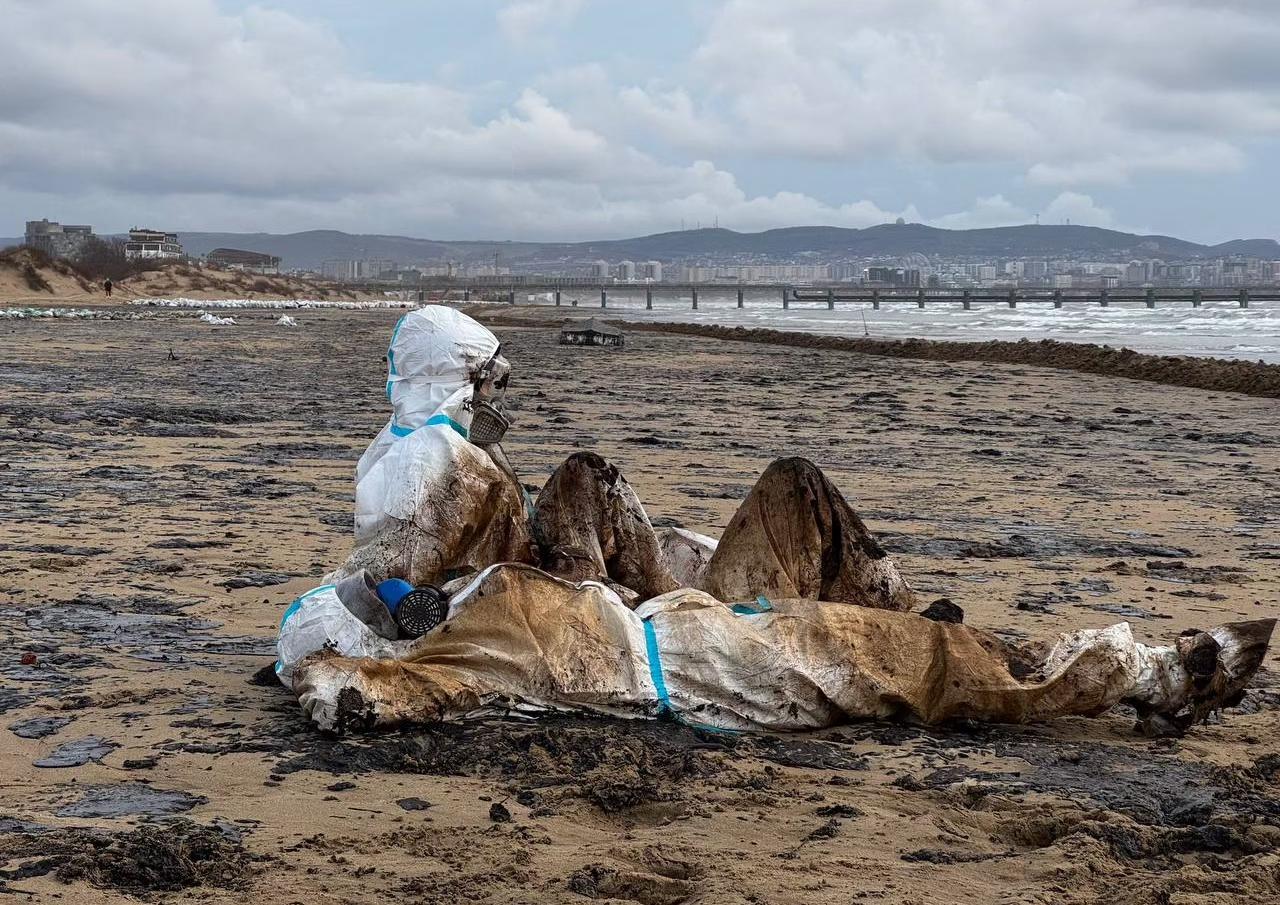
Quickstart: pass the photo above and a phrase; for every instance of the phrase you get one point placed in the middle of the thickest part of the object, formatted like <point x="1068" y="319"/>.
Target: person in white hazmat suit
<point x="795" y="619"/>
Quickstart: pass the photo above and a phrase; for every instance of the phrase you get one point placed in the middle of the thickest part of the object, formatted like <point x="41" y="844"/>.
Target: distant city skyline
<point x="562" y="120"/>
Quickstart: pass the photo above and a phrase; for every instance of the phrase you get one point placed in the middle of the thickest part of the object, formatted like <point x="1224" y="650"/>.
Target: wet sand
<point x="158" y="514"/>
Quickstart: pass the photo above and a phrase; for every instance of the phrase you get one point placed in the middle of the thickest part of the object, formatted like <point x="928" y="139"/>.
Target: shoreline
<point x="1249" y="378"/>
<point x="1204" y="373"/>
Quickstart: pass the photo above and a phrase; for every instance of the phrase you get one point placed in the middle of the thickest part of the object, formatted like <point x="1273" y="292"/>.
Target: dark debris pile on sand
<point x="153" y="858"/>
<point x="1250" y="378"/>
<point x="614" y="765"/>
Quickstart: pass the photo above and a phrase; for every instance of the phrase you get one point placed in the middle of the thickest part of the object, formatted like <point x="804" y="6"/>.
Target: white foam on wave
<point x="1221" y="330"/>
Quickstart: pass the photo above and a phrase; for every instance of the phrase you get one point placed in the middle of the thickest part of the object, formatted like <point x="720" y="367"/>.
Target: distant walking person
<point x="106" y="286"/>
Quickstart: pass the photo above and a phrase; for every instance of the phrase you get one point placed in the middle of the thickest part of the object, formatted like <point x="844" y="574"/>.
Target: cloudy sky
<point x="574" y="119"/>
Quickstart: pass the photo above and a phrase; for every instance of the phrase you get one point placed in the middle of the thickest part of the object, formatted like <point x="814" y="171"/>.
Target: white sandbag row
<point x="271" y="304"/>
<point x="69" y="313"/>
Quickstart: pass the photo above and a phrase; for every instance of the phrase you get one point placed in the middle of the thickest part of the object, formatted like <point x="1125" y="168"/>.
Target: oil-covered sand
<point x="157" y="513"/>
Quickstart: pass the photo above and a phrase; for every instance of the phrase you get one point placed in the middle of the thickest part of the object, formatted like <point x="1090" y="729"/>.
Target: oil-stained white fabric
<point x="318" y="620"/>
<point x="435" y="505"/>
<point x="686" y="554"/>
<point x="516" y="639"/>
<point x="519" y="638"/>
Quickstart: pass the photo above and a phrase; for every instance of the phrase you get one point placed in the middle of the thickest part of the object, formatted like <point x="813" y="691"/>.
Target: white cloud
<point x="1077" y="209"/>
<point x="262" y="120"/>
<point x="258" y="122"/>
<point x="986" y="212"/>
<point x="523" y="21"/>
<point x="1073" y="91"/>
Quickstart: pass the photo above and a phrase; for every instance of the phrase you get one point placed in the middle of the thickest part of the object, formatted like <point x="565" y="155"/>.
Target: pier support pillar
<point x="1244" y="298"/>
<point x="920" y="299"/>
<point x="604" y="298"/>
<point x="875" y="299"/>
<point x="511" y="296"/>
<point x="1105" y="299"/>
<point x="966" y="300"/>
<point x="695" y="298"/>
<point x="1013" y="298"/>
<point x="557" y="298"/>
<point x="648" y="298"/>
<point x="1151" y="298"/>
<point x="786" y="302"/>
<point x="831" y="300"/>
<point x="1197" y="298"/>
<point x="739" y="298"/>
<point x="1057" y="298"/>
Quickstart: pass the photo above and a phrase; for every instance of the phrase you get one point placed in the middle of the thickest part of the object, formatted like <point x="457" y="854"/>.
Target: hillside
<point x="311" y="249"/>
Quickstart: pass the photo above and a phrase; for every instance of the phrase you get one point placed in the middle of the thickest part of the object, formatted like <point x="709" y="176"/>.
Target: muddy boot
<point x="1200" y="674"/>
<point x="590" y="525"/>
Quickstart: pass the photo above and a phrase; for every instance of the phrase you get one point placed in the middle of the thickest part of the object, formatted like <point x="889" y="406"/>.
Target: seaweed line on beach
<point x="1247" y="377"/>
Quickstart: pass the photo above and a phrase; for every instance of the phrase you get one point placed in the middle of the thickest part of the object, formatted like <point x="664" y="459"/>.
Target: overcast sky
<point x="575" y="119"/>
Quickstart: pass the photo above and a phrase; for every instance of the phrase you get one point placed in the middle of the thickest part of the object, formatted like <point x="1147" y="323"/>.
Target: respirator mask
<point x="488" y="424"/>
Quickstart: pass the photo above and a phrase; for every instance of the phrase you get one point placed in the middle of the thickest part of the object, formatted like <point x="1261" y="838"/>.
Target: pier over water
<point x="576" y="293"/>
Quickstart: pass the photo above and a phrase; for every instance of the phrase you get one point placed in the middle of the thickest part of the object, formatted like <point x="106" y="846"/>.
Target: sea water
<point x="1216" y="329"/>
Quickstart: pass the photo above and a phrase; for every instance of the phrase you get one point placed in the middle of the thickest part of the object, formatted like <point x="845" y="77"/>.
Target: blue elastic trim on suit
<point x="530" y="511"/>
<point x="399" y="431"/>
<point x="745" y="609"/>
<point x="660" y="685"/>
<point x="391" y="355"/>
<point x="290" y="610"/>
<point x="297" y="604"/>
<point x="445" y="419"/>
<point x="293" y="608"/>
<point x="655" y="667"/>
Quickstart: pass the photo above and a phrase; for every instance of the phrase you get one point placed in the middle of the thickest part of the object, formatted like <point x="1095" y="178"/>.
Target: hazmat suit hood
<point x="438" y="360"/>
<point x="434" y="358"/>
<point x="435" y="355"/>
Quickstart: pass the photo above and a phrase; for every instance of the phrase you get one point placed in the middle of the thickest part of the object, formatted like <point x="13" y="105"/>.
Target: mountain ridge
<point x="310" y="248"/>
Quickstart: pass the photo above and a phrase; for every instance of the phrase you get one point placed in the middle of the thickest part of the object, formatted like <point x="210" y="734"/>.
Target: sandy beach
<point x="167" y="487"/>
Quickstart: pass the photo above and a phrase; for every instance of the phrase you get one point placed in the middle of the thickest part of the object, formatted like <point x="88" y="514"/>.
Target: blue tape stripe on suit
<point x="399" y="431"/>
<point x="660" y="685"/>
<point x="655" y="667"/>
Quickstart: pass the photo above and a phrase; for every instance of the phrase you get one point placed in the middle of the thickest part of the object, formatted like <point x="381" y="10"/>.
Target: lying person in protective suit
<point x="795" y="619"/>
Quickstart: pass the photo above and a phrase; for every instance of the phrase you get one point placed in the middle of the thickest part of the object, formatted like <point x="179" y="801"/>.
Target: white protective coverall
<point x="519" y="639"/>
<point x="424" y="494"/>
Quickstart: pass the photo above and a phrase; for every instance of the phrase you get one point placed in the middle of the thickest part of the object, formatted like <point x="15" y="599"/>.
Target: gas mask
<point x="488" y="424"/>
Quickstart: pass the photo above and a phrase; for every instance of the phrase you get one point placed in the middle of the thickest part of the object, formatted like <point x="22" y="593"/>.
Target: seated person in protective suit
<point x="795" y="619"/>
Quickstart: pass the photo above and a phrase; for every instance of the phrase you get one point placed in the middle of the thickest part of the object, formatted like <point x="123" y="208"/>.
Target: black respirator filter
<point x="421" y="610"/>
